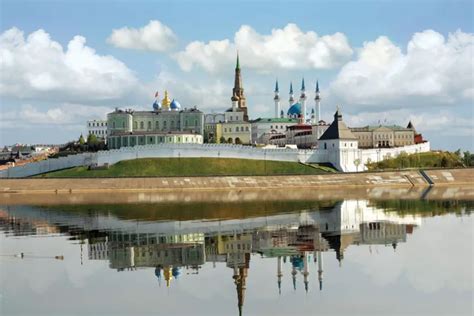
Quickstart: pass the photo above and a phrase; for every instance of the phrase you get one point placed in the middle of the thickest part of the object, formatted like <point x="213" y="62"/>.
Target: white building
<point x="264" y="128"/>
<point x="97" y="128"/>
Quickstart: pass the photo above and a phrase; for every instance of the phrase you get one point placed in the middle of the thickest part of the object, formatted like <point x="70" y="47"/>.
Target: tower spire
<point x="302" y="85"/>
<point x="238" y="90"/>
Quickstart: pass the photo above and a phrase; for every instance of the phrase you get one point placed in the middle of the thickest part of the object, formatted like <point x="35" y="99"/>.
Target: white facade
<point x="97" y="128"/>
<point x="268" y="126"/>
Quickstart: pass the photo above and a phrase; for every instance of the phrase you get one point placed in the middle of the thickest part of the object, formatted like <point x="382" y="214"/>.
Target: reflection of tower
<point x="240" y="280"/>
<point x="305" y="271"/>
<point x="279" y="273"/>
<point x="168" y="275"/>
<point x="293" y="274"/>
<point x="320" y="270"/>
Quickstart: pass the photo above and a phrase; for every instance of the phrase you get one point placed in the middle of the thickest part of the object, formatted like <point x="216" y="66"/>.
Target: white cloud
<point x="288" y="48"/>
<point x="432" y="68"/>
<point x="65" y="115"/>
<point x="39" y="67"/>
<point x="155" y="36"/>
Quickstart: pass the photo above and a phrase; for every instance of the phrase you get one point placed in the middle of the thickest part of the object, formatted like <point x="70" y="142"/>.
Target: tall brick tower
<point x="238" y="90"/>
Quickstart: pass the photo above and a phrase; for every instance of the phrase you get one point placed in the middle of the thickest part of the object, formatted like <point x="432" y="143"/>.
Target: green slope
<point x="169" y="167"/>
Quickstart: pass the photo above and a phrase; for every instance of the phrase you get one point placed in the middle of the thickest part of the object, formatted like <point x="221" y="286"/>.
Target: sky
<point x="65" y="62"/>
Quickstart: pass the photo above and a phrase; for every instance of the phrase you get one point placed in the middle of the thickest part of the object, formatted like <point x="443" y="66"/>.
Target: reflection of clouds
<point x="436" y="256"/>
<point x="31" y="272"/>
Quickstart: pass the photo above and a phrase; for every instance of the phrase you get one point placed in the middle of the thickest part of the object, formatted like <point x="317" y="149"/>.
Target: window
<point x="195" y="122"/>
<point x="157" y="125"/>
<point x="123" y="124"/>
<point x="113" y="125"/>
<point x="172" y="124"/>
<point x="247" y="128"/>
<point x="164" y="125"/>
<point x="135" y="125"/>
<point x="142" y="125"/>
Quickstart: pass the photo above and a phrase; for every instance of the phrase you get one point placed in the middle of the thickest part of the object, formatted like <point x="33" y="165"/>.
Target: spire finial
<point x="276" y="86"/>
<point x="237" y="66"/>
<point x="291" y="87"/>
<point x="317" y="86"/>
<point x="302" y="85"/>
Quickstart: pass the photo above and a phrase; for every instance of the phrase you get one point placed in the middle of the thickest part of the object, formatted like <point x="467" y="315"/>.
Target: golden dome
<point x="165" y="103"/>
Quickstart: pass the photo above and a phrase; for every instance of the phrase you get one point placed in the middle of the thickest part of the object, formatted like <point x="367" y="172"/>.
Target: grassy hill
<point x="169" y="167"/>
<point x="432" y="159"/>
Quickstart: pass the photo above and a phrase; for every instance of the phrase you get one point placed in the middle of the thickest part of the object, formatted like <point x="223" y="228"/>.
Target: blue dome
<point x="295" y="109"/>
<point x="156" y="105"/>
<point x="175" y="105"/>
<point x="175" y="272"/>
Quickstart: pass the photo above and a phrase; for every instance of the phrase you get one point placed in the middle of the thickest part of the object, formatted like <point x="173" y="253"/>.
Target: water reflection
<point x="169" y="248"/>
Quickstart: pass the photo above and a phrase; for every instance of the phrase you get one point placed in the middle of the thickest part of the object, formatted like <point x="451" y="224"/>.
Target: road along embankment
<point x="172" y="184"/>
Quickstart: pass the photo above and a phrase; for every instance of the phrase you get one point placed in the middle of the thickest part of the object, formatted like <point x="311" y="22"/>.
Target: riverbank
<point x="407" y="178"/>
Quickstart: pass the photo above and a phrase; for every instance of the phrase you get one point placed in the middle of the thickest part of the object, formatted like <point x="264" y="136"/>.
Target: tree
<point x="222" y="140"/>
<point x="81" y="140"/>
<point x="357" y="163"/>
<point x="92" y="140"/>
<point x="468" y="159"/>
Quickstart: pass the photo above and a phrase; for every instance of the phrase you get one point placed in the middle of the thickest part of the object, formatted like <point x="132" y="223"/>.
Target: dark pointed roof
<point x="338" y="130"/>
<point x="410" y="125"/>
<point x="276" y="86"/>
<point x="317" y="86"/>
<point x="237" y="65"/>
<point x="291" y="87"/>
<point x="302" y="85"/>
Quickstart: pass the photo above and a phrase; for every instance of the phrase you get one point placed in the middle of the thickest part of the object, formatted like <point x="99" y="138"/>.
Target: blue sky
<point x="379" y="31"/>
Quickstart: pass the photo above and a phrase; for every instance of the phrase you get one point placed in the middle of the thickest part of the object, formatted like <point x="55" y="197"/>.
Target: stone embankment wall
<point x="344" y="159"/>
<point x="175" y="184"/>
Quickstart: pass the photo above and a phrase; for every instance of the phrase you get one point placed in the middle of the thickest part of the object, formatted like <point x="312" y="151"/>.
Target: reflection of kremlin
<point x="296" y="240"/>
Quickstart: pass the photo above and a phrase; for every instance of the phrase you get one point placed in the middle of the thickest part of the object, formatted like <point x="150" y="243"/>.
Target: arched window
<point x="142" y="125"/>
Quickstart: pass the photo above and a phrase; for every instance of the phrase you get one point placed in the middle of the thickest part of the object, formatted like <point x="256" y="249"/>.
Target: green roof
<point x="275" y="120"/>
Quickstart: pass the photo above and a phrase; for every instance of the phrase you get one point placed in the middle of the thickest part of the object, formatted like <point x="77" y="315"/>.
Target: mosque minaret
<point x="277" y="100"/>
<point x="302" y="101"/>
<point x="317" y="105"/>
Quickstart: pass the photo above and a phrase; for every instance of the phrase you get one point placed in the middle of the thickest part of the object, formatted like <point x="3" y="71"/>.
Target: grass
<point x="172" y="167"/>
<point x="431" y="159"/>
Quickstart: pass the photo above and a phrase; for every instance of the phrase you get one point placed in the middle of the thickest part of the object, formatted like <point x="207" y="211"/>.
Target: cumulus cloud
<point x="66" y="114"/>
<point x="432" y="68"/>
<point x="40" y="67"/>
<point x="155" y="36"/>
<point x="288" y="48"/>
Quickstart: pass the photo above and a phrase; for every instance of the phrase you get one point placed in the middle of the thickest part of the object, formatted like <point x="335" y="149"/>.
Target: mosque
<point x="298" y="110"/>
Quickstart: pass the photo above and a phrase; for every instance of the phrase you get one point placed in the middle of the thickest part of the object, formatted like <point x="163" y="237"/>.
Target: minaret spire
<point x="317" y="104"/>
<point x="303" y="101"/>
<point x="276" y="99"/>
<point x="291" y="100"/>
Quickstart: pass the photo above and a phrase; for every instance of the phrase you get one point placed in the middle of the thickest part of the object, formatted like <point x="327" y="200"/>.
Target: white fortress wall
<point x="343" y="159"/>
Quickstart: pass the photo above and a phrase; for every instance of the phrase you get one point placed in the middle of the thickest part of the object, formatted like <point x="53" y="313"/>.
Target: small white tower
<point x="291" y="100"/>
<point x="303" y="101"/>
<point x="317" y="104"/>
<point x="277" y="100"/>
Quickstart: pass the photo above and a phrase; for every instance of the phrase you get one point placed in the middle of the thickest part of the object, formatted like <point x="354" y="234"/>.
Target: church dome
<point x="294" y="110"/>
<point x="156" y="105"/>
<point x="175" y="105"/>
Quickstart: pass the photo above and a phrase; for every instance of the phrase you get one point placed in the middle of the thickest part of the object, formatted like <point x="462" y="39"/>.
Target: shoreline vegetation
<point x="182" y="167"/>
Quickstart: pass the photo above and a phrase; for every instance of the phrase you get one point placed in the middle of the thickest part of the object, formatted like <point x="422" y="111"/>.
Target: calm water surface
<point x="354" y="257"/>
